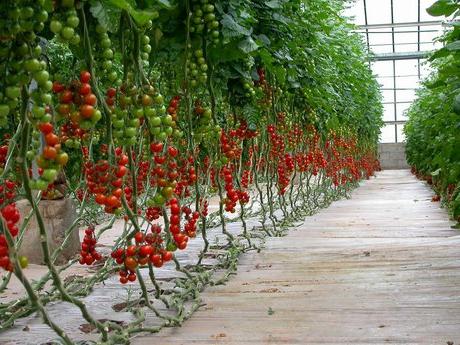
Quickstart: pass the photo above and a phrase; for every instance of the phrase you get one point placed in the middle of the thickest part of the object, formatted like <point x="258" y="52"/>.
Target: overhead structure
<point x="399" y="34"/>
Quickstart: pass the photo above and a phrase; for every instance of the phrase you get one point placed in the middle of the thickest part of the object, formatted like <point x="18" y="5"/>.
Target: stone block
<point x="58" y="216"/>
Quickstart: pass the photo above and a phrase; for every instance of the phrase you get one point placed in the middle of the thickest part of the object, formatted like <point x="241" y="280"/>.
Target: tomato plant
<point x="433" y="129"/>
<point x="177" y="120"/>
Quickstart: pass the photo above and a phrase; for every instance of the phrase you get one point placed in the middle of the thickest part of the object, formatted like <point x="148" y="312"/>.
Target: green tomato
<point x="155" y="121"/>
<point x="161" y="110"/>
<point x="118" y="123"/>
<point x="30" y="155"/>
<point x="13" y="92"/>
<point x="178" y="134"/>
<point x="159" y="199"/>
<point x="38" y="112"/>
<point x="149" y="112"/>
<point x="130" y="132"/>
<point x="131" y="141"/>
<point x="210" y="17"/>
<point x="107" y="54"/>
<point x="113" y="76"/>
<point x="207" y="114"/>
<point x="97" y="115"/>
<point x="32" y="65"/>
<point x="46" y="98"/>
<point x="106" y="43"/>
<point x="158" y="99"/>
<point x="107" y="64"/>
<point x="86" y="124"/>
<point x="49" y="174"/>
<point x="4" y="110"/>
<point x="23" y="261"/>
<point x="67" y="32"/>
<point x="162" y="136"/>
<point x="41" y="77"/>
<point x="167" y="120"/>
<point x="73" y="21"/>
<point x="155" y="131"/>
<point x="169" y="131"/>
<point x="118" y="133"/>
<point x="134" y="123"/>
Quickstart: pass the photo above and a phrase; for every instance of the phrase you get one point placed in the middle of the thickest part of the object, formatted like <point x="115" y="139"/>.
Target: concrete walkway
<point x="380" y="268"/>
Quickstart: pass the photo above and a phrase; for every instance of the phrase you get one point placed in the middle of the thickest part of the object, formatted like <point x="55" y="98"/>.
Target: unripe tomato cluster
<point x="65" y="21"/>
<point x="105" y="181"/>
<point x="198" y="68"/>
<point x="78" y="102"/>
<point x="204" y="20"/>
<point x="104" y="56"/>
<point x="20" y="59"/>
<point x="148" y="248"/>
<point x="203" y="128"/>
<point x="88" y="253"/>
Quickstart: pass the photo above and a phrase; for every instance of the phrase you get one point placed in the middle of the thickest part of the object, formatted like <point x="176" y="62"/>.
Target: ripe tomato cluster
<point x="88" y="253"/>
<point x="230" y="146"/>
<point x="148" y="248"/>
<point x="51" y="159"/>
<point x="11" y="216"/>
<point x="3" y="154"/>
<point x="173" y="107"/>
<point x="164" y="172"/>
<point x="78" y="102"/>
<point x="180" y="237"/>
<point x="284" y="162"/>
<point x="105" y="181"/>
<point x="232" y="195"/>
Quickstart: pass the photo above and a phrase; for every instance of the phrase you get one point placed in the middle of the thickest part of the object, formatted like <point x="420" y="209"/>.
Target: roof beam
<point x="402" y="25"/>
<point x="401" y="56"/>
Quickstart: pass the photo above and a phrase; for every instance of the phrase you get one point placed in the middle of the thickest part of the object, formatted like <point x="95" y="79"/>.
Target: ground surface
<point x="380" y="268"/>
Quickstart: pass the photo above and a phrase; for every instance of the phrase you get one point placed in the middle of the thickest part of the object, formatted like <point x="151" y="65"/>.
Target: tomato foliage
<point x="433" y="129"/>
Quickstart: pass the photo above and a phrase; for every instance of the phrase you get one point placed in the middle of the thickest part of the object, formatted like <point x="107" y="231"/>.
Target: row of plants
<point x="433" y="128"/>
<point x="144" y="111"/>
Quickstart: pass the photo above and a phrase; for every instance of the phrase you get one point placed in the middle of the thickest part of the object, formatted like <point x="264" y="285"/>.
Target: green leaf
<point x="162" y="3"/>
<point x="107" y="15"/>
<point x="454" y="46"/>
<point x="230" y="28"/>
<point x="436" y="172"/>
<point x="273" y="4"/>
<point x="442" y="8"/>
<point x="248" y="45"/>
<point x="443" y="52"/>
<point x="140" y="16"/>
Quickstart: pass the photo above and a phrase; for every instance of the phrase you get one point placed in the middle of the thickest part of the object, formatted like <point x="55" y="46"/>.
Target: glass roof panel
<point x="399" y="34"/>
<point x="405" y="11"/>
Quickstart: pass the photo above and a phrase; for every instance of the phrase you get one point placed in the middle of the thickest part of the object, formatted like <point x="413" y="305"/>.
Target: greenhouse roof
<point x="399" y="34"/>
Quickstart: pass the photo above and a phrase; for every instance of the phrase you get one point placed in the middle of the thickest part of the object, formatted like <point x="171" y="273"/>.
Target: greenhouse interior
<point x="229" y="172"/>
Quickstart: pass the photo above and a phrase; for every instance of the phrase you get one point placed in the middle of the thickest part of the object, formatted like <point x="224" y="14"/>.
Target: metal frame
<point x="418" y="55"/>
